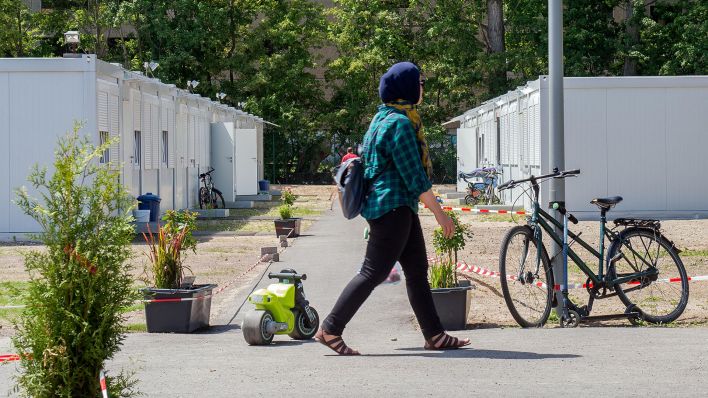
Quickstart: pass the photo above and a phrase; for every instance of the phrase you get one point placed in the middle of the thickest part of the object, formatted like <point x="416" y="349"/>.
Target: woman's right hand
<point x="445" y="223"/>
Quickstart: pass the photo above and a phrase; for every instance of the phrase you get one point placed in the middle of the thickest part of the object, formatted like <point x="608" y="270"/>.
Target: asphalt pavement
<point x="588" y="361"/>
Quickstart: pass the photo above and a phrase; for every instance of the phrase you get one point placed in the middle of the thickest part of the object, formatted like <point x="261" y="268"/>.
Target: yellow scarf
<point x="414" y="117"/>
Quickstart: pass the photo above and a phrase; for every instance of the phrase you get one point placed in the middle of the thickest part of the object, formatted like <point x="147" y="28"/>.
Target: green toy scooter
<point x="280" y="309"/>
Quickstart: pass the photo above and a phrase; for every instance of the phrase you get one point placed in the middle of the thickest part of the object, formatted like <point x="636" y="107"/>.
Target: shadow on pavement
<point x="473" y="353"/>
<point x="217" y="329"/>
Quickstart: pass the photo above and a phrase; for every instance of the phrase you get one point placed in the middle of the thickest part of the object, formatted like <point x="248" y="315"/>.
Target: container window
<point x="165" y="148"/>
<point x="103" y="138"/>
<point x="137" y="148"/>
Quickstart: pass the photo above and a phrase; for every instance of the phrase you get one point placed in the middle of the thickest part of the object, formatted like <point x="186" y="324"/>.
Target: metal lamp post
<point x="555" y="126"/>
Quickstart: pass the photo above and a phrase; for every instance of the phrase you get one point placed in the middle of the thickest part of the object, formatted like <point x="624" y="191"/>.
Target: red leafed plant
<point x="166" y="253"/>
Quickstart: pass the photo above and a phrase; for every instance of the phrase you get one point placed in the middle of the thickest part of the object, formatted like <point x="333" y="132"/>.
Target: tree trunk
<point x="495" y="26"/>
<point x="632" y="31"/>
<point x="20" y="52"/>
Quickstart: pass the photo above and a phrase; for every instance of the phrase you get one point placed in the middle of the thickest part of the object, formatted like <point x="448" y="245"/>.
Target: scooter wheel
<point x="254" y="327"/>
<point x="301" y="331"/>
<point x="572" y="321"/>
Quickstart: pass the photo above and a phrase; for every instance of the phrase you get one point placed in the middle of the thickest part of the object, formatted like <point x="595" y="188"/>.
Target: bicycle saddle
<point x="606" y="203"/>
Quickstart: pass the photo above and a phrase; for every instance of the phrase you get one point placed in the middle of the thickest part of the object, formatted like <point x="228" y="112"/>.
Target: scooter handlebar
<point x="286" y="275"/>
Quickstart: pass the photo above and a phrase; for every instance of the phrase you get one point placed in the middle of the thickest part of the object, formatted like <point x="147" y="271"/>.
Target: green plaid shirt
<point x="391" y="145"/>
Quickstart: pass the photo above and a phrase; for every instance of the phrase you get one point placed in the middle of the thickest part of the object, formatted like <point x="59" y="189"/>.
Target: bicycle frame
<point x="541" y="220"/>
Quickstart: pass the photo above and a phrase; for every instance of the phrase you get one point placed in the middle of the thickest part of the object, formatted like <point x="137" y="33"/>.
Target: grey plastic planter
<point x="289" y="227"/>
<point x="175" y="316"/>
<point x="452" y="305"/>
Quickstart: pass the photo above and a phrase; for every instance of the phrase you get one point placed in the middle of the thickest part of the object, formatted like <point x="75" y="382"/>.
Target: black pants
<point x="396" y="236"/>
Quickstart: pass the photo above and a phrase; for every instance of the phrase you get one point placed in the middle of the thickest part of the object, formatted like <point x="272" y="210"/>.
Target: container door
<point x="222" y="158"/>
<point x="246" y="163"/>
<point x="466" y="154"/>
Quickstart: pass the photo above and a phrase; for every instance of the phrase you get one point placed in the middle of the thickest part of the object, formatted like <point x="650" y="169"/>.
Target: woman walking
<point x="398" y="167"/>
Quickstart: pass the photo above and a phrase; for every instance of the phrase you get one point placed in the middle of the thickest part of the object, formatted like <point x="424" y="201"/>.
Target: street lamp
<point x="192" y="84"/>
<point x="150" y="67"/>
<point x="221" y="96"/>
<point x="71" y="39"/>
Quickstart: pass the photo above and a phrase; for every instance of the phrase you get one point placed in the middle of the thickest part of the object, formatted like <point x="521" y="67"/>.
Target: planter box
<point x="175" y="316"/>
<point x="452" y="305"/>
<point x="289" y="227"/>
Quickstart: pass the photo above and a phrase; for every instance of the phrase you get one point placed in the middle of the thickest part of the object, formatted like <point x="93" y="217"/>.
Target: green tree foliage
<point x="312" y="66"/>
<point x="80" y="284"/>
<point x="17" y="31"/>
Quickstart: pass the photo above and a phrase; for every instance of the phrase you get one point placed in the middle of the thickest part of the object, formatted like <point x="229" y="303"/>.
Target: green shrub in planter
<point x="80" y="285"/>
<point x="285" y="211"/>
<point x="443" y="274"/>
<point x="288" y="197"/>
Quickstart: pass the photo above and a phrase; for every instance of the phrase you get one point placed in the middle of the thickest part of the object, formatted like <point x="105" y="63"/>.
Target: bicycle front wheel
<point x="661" y="298"/>
<point x="527" y="287"/>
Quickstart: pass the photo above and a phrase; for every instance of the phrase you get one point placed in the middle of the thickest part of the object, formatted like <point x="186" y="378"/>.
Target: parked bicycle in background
<point x="209" y="196"/>
<point x="481" y="190"/>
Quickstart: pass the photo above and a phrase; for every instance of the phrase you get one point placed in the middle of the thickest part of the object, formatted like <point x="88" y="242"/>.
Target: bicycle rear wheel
<point x="528" y="293"/>
<point x="217" y="199"/>
<point x="661" y="298"/>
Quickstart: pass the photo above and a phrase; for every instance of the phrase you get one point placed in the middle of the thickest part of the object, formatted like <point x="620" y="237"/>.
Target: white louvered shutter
<point x="190" y="140"/>
<point x="156" y="133"/>
<point x="102" y="105"/>
<point x="114" y="114"/>
<point x="137" y="126"/>
<point x="171" y="138"/>
<point x="147" y="136"/>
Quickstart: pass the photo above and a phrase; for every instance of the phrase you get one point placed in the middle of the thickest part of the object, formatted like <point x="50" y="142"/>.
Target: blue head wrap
<point x="401" y="81"/>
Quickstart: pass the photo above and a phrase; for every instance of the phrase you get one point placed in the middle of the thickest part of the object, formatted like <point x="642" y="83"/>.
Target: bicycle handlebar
<point x="286" y="275"/>
<point x="534" y="179"/>
<point x="207" y="173"/>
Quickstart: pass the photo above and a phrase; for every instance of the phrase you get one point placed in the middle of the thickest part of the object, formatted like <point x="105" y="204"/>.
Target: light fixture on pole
<point x="72" y="40"/>
<point x="240" y="105"/>
<point x="150" y="67"/>
<point x="221" y="96"/>
<point x="192" y="84"/>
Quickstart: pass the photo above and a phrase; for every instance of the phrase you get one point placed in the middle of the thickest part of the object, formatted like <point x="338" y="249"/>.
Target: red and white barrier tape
<point x="104" y="388"/>
<point x="480" y="211"/>
<point x="221" y="289"/>
<point x="174" y="300"/>
<point x="463" y="267"/>
<point x="665" y="280"/>
<point x="9" y="358"/>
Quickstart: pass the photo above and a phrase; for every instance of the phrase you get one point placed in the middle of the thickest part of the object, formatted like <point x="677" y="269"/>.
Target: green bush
<point x="78" y="287"/>
<point x="167" y="249"/>
<point x="442" y="274"/>
<point x="286" y="211"/>
<point x="288" y="197"/>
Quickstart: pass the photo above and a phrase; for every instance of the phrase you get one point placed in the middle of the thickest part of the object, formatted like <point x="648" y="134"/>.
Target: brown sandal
<point x="336" y="344"/>
<point x="448" y="342"/>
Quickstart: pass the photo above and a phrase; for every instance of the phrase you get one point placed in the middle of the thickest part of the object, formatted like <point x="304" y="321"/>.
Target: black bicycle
<point x="643" y="267"/>
<point x="210" y="197"/>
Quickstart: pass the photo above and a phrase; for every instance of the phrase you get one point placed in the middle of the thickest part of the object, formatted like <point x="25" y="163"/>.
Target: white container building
<point x="643" y="138"/>
<point x="165" y="132"/>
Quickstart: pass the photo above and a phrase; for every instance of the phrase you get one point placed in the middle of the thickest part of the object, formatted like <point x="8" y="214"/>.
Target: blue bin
<point x="150" y="202"/>
<point x="264" y="186"/>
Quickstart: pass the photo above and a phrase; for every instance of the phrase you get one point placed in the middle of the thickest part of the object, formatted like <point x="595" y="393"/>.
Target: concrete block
<point x="212" y="213"/>
<point x="255" y="198"/>
<point x="240" y="204"/>
<point x="268" y="250"/>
